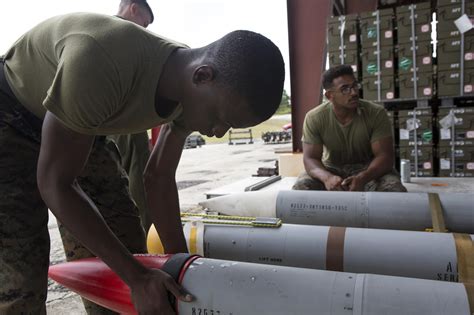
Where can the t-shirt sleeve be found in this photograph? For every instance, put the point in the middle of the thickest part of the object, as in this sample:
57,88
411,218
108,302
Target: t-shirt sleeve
311,134
382,126
86,89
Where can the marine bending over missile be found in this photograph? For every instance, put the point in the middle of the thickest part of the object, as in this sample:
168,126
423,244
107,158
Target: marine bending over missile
347,141
76,78
132,152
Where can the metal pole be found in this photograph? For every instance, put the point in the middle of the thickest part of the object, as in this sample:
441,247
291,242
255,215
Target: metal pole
342,20
413,47
379,80
461,84
415,136
453,145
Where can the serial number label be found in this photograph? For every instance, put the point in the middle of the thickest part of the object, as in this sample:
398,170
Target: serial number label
309,206
270,259
204,311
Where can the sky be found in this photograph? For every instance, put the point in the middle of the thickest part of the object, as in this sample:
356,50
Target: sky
193,22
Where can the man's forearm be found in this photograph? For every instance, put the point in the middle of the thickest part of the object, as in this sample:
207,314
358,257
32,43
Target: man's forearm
80,216
163,201
315,168
378,167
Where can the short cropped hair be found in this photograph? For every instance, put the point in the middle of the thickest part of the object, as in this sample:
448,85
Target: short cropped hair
142,3
335,72
252,66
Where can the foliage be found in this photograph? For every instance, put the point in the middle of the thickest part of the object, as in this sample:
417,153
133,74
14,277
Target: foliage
285,104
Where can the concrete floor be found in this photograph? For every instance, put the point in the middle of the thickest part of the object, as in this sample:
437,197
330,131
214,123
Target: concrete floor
221,167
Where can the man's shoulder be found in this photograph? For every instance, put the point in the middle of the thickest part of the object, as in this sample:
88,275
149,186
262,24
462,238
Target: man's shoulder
371,106
320,110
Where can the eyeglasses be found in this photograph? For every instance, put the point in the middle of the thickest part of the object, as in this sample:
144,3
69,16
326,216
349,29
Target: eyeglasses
346,89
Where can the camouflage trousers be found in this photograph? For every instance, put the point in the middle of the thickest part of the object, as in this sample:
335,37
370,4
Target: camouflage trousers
24,236
388,182
134,153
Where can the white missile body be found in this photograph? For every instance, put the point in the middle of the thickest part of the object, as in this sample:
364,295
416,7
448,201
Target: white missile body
382,210
423,255
222,287
225,287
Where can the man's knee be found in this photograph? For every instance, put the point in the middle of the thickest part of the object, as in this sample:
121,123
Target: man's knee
306,182
390,183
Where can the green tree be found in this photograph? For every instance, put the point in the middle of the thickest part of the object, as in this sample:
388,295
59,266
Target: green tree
285,99
285,104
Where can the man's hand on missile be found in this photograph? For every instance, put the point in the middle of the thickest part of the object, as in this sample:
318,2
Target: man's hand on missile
150,293
333,183
353,183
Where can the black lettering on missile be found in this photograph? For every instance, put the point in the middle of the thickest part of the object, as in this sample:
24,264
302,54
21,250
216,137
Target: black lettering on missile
270,259
450,275
321,207
204,311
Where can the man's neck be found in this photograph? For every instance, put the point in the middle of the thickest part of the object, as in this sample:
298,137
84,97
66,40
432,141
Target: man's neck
169,86
344,115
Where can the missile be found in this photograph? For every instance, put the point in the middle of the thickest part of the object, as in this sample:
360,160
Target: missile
381,210
223,287
434,256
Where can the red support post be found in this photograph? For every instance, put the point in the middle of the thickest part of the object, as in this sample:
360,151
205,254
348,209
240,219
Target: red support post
307,23
155,132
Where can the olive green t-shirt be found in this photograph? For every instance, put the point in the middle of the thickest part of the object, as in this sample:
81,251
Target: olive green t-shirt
98,74
350,144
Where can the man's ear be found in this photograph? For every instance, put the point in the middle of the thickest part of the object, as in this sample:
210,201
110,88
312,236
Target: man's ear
328,95
134,9
203,74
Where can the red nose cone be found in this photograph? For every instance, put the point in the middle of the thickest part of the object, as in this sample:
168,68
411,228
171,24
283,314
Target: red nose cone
94,280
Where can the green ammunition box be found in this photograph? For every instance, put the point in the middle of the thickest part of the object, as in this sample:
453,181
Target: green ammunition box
423,52
449,2
449,83
424,85
369,61
348,26
421,22
464,116
462,137
416,121
463,161
425,157
449,53
350,58
368,28
448,14
370,87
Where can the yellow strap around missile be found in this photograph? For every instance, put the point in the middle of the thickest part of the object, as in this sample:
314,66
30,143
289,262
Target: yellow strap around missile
193,240
437,217
470,296
465,255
